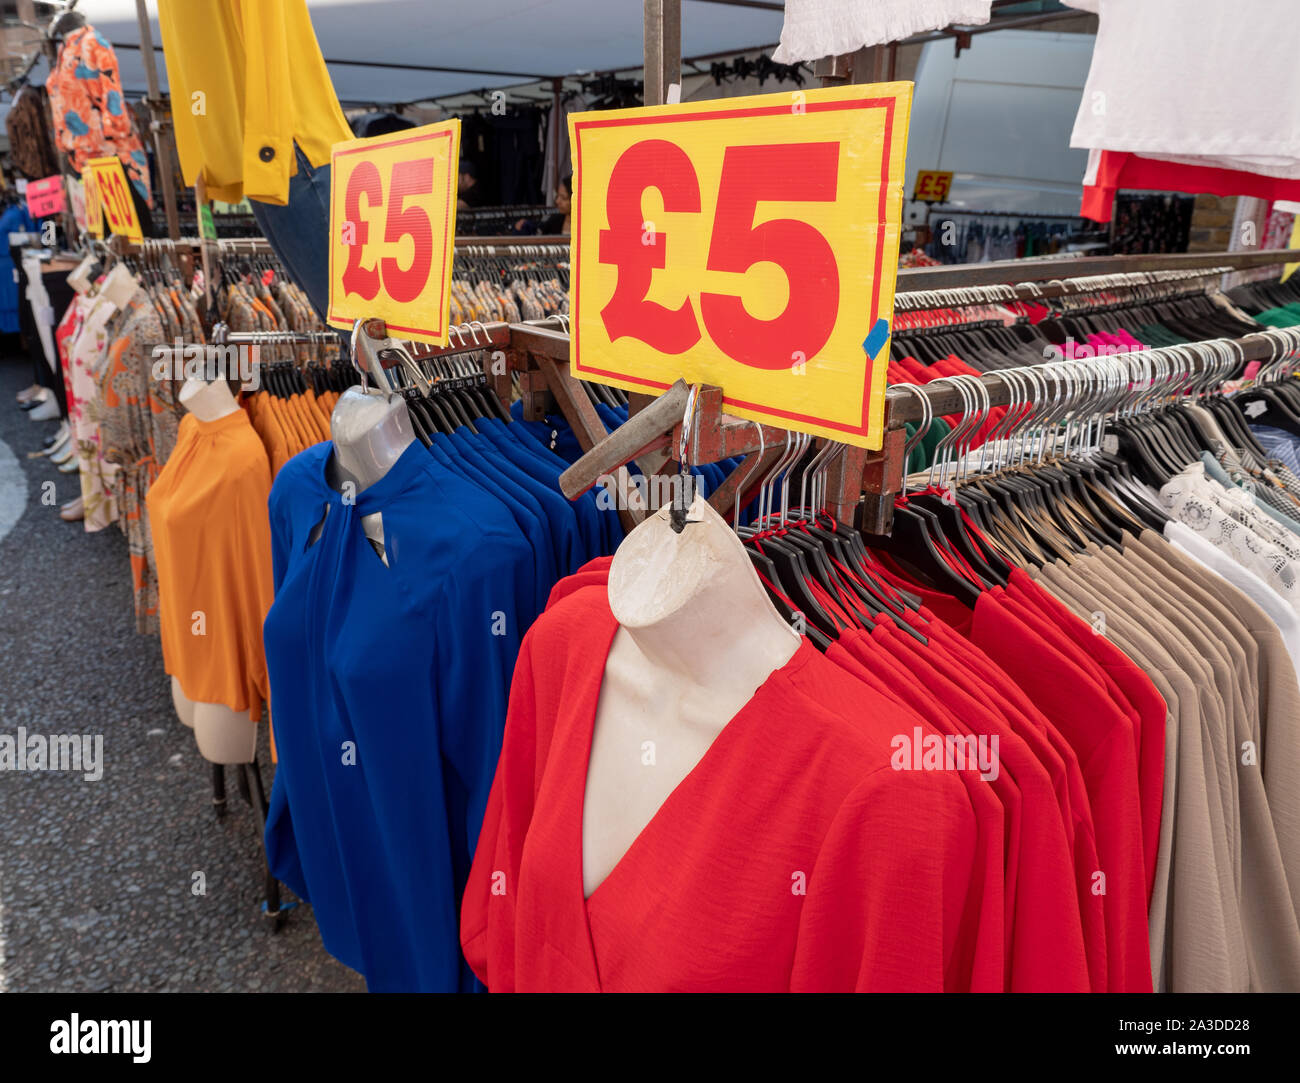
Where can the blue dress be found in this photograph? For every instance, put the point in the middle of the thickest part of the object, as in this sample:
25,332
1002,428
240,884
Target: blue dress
16,219
388,701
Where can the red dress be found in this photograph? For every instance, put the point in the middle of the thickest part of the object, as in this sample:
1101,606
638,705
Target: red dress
793,857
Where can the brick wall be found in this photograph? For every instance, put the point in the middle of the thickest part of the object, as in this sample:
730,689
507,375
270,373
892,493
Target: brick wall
1212,223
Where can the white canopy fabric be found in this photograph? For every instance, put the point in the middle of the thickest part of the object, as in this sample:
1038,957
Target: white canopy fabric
504,42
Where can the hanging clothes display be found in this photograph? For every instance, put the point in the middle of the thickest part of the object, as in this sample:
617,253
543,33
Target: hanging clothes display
472,523
1150,222
980,237
31,142
88,111
122,411
1157,125
490,286
291,411
1162,109
1138,832
128,405
1221,912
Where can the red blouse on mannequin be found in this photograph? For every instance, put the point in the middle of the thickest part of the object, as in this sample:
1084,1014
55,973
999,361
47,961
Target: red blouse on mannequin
792,858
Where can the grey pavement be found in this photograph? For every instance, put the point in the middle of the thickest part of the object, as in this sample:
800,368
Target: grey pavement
96,877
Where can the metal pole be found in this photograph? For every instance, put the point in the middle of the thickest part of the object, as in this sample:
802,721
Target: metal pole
162,136
663,48
557,87
662,68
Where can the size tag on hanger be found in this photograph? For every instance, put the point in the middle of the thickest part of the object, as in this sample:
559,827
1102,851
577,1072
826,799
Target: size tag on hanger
393,230
749,243
113,194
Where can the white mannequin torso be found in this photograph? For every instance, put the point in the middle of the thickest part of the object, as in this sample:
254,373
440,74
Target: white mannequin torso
697,638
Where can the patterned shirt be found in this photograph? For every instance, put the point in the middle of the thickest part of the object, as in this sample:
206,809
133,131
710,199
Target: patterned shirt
90,117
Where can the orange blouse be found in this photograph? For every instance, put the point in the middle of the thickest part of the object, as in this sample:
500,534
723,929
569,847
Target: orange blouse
212,541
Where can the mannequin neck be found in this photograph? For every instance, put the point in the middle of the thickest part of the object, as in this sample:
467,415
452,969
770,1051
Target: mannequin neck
370,433
119,285
693,605
207,401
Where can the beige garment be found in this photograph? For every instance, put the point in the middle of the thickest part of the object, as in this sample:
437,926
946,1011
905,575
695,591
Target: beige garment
1206,648
1197,660
1115,632
1200,944
1268,912
1278,707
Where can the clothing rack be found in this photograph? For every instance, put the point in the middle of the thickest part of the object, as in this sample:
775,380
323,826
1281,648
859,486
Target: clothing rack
538,352
223,336
915,279
489,246
946,212
905,403
856,471
996,293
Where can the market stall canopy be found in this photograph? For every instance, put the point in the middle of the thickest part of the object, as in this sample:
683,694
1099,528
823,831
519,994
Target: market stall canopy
493,43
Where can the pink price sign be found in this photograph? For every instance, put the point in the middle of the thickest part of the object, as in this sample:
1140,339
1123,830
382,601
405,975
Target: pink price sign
45,197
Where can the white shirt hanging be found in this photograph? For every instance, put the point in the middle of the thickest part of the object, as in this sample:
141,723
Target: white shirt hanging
1195,81
817,28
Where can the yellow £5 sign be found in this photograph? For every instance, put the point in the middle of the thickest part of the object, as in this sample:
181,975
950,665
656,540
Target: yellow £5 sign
112,193
932,186
749,243
393,230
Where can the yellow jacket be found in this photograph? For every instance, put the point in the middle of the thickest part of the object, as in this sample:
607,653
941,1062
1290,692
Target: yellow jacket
247,81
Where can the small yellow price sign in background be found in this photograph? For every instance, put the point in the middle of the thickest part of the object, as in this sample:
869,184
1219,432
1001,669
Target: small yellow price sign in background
108,191
932,186
393,230
750,243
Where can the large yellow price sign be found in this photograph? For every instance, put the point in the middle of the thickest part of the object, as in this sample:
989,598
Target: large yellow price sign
749,243
393,230
113,194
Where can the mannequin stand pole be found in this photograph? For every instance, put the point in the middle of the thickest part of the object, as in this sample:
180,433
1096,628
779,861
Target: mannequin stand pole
250,784
219,791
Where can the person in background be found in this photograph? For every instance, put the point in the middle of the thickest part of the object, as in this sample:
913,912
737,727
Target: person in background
469,195
557,223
